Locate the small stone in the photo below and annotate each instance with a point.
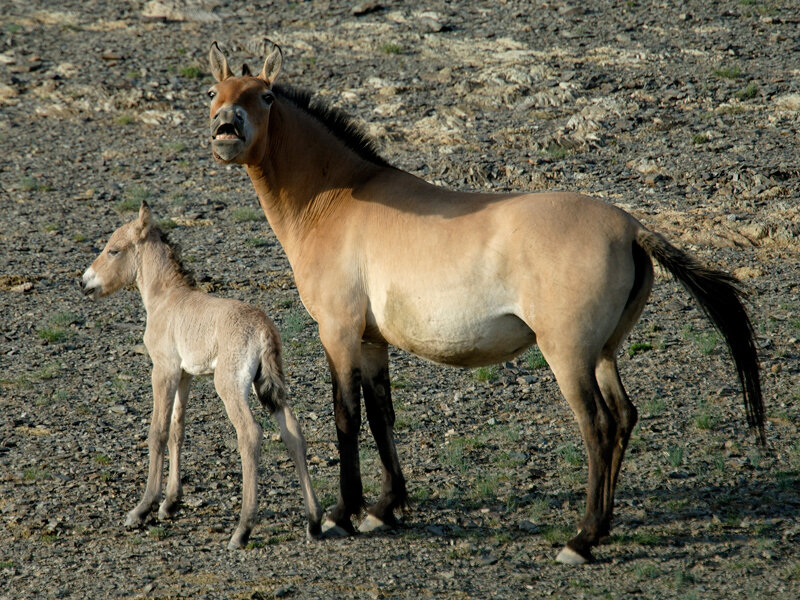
(22, 287)
(364, 8)
(529, 527)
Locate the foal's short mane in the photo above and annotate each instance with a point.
(175, 256)
(343, 126)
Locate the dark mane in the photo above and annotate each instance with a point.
(175, 255)
(340, 124)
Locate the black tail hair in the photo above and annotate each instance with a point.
(720, 297)
(269, 383)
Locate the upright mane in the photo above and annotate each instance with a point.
(343, 126)
(174, 256)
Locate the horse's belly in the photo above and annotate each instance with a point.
(462, 340)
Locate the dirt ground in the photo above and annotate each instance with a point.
(685, 114)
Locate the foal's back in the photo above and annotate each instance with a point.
(206, 332)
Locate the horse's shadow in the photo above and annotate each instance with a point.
(719, 511)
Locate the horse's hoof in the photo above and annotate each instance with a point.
(372, 523)
(332, 530)
(568, 556)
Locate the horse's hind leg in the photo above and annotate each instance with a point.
(176, 436)
(233, 386)
(165, 384)
(625, 415)
(380, 414)
(598, 428)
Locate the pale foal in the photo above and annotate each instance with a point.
(192, 333)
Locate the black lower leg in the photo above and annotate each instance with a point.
(347, 412)
(381, 417)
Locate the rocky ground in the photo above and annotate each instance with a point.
(686, 115)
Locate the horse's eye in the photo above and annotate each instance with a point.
(211, 93)
(113, 253)
(268, 97)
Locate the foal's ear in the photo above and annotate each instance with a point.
(145, 218)
(272, 66)
(218, 62)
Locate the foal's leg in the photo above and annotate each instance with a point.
(165, 384)
(380, 414)
(626, 416)
(234, 391)
(176, 435)
(343, 351)
(295, 442)
(598, 428)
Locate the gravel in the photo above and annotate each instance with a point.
(685, 115)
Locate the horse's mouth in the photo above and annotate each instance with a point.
(227, 132)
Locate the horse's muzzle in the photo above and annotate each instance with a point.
(228, 137)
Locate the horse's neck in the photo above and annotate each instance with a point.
(158, 274)
(306, 173)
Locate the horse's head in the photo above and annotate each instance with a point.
(117, 264)
(240, 108)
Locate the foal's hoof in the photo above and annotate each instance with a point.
(372, 523)
(313, 531)
(568, 556)
(133, 521)
(332, 530)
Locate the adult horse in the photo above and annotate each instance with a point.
(381, 257)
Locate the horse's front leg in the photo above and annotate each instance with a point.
(380, 415)
(342, 348)
(165, 383)
(177, 428)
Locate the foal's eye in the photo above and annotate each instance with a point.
(211, 93)
(113, 253)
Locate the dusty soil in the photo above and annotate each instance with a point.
(686, 116)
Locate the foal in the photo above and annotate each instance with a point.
(191, 333)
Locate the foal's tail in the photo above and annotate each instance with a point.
(720, 296)
(269, 383)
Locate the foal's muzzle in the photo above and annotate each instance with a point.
(89, 284)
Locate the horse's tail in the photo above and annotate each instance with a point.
(269, 383)
(720, 297)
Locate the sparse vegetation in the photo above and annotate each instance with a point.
(747, 92)
(639, 348)
(157, 533)
(675, 456)
(728, 72)
(243, 215)
(391, 48)
(534, 358)
(191, 72)
(486, 374)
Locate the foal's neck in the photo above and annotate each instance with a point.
(159, 272)
(305, 175)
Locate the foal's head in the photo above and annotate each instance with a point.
(117, 264)
(240, 108)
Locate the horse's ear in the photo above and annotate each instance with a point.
(272, 66)
(218, 62)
